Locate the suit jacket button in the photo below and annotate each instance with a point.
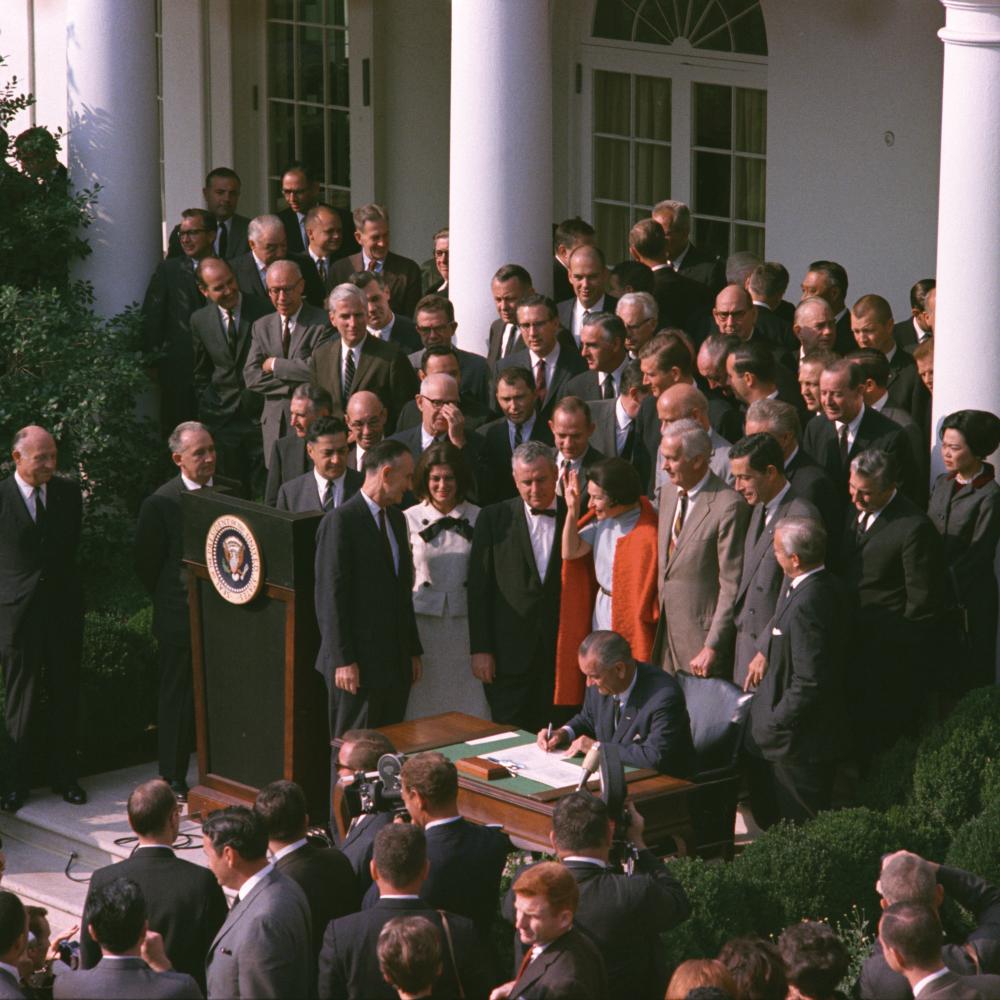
(427, 583)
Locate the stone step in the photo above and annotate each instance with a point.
(38, 877)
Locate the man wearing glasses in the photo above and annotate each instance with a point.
(281, 345)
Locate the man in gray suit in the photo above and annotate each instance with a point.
(281, 345)
(758, 476)
(330, 482)
(700, 555)
(264, 949)
(133, 962)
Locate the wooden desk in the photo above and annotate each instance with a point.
(527, 819)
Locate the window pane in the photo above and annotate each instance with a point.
(284, 9)
(712, 236)
(611, 169)
(652, 108)
(751, 121)
(311, 138)
(339, 198)
(282, 129)
(652, 26)
(339, 158)
(336, 12)
(311, 65)
(611, 103)
(749, 238)
(712, 31)
(311, 11)
(280, 61)
(713, 116)
(612, 225)
(652, 173)
(337, 53)
(749, 189)
(711, 183)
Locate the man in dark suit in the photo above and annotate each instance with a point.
(632, 704)
(892, 560)
(559, 961)
(753, 374)
(588, 274)
(371, 224)
(685, 258)
(382, 321)
(185, 905)
(158, 564)
(623, 914)
(133, 963)
(758, 476)
(510, 284)
(569, 234)
(602, 344)
(439, 286)
(281, 346)
(370, 651)
(264, 948)
(40, 517)
(172, 296)
(615, 422)
(325, 236)
(443, 359)
(366, 419)
(330, 482)
(552, 365)
(13, 942)
(798, 715)
(348, 961)
(571, 428)
(640, 314)
(828, 280)
(300, 189)
(355, 360)
(514, 584)
(268, 243)
(920, 324)
(289, 458)
(515, 394)
(221, 334)
(323, 873)
(222, 195)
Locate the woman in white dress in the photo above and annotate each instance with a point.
(440, 529)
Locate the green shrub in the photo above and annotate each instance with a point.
(976, 846)
(890, 780)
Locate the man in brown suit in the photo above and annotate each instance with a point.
(703, 525)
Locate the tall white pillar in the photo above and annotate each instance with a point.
(114, 141)
(501, 154)
(966, 353)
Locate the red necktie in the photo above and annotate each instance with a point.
(540, 386)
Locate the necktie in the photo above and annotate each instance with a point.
(384, 528)
(223, 239)
(682, 504)
(321, 267)
(286, 336)
(509, 336)
(328, 495)
(373, 265)
(40, 511)
(564, 478)
(761, 516)
(525, 962)
(618, 714)
(843, 445)
(348, 373)
(609, 386)
(540, 386)
(230, 327)
(460, 525)
(518, 436)
(629, 444)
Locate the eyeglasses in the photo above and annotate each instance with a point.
(438, 403)
(359, 424)
(283, 289)
(540, 325)
(735, 314)
(426, 331)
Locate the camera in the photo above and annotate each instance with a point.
(613, 792)
(378, 791)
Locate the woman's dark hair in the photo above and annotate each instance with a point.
(980, 428)
(618, 479)
(442, 453)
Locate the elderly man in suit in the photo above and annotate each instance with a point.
(355, 360)
(798, 716)
(588, 274)
(685, 401)
(685, 258)
(759, 477)
(369, 649)
(382, 321)
(510, 284)
(289, 458)
(133, 963)
(40, 518)
(268, 243)
(633, 704)
(444, 359)
(325, 235)
(571, 428)
(221, 334)
(826, 279)
(371, 224)
(700, 554)
(185, 905)
(281, 345)
(514, 586)
(264, 949)
(222, 196)
(330, 482)
(640, 314)
(602, 344)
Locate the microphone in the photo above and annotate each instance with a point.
(591, 762)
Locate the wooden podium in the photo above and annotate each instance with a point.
(260, 706)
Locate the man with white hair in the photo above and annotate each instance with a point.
(814, 326)
(268, 243)
(703, 524)
(281, 345)
(640, 314)
(684, 257)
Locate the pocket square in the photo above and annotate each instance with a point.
(776, 631)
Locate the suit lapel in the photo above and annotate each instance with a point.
(537, 968)
(234, 918)
(334, 382)
(523, 538)
(365, 363)
(298, 337)
(702, 508)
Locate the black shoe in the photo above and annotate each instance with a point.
(13, 801)
(71, 793)
(180, 789)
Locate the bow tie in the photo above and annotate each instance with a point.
(459, 525)
(539, 512)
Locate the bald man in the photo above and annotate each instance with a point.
(40, 520)
(588, 274)
(366, 417)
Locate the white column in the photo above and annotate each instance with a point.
(500, 208)
(114, 141)
(966, 358)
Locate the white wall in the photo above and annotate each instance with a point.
(841, 75)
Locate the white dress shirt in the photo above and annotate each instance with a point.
(288, 848)
(338, 487)
(772, 505)
(542, 530)
(802, 577)
(28, 495)
(235, 312)
(852, 428)
(918, 987)
(866, 519)
(386, 332)
(189, 484)
(510, 332)
(345, 350)
(623, 424)
(550, 367)
(526, 428)
(248, 885)
(578, 313)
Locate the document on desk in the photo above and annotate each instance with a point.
(532, 762)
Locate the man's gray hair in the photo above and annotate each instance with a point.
(261, 224)
(682, 214)
(531, 451)
(607, 647)
(645, 302)
(693, 437)
(804, 537)
(876, 465)
(279, 264)
(739, 266)
(812, 300)
(778, 416)
(346, 291)
(176, 440)
(908, 878)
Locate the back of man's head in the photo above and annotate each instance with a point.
(13, 921)
(815, 958)
(580, 823)
(400, 854)
(913, 932)
(907, 878)
(409, 953)
(433, 777)
(239, 828)
(756, 967)
(363, 749)
(150, 807)
(282, 807)
(117, 914)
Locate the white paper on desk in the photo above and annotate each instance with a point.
(493, 738)
(532, 762)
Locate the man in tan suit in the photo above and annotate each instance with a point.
(703, 524)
